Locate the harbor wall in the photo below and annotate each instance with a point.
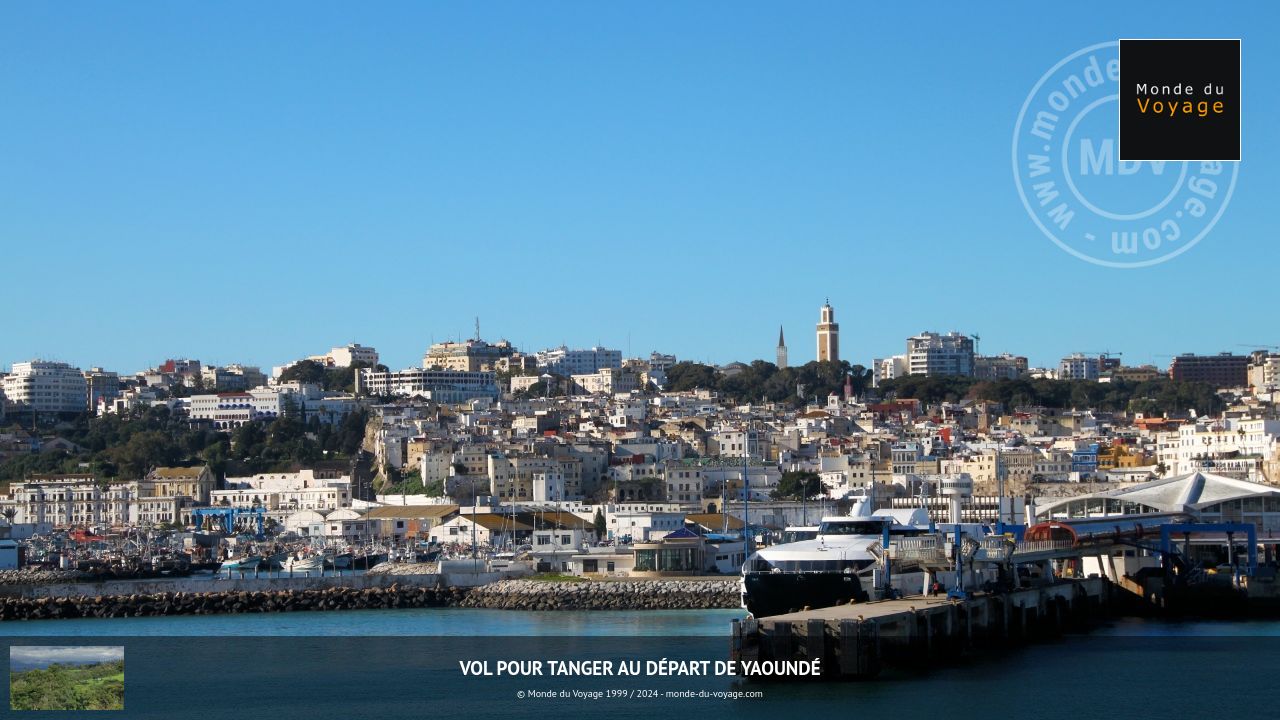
(186, 596)
(262, 583)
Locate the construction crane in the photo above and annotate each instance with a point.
(1100, 353)
(1259, 346)
(977, 340)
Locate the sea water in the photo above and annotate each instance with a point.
(405, 663)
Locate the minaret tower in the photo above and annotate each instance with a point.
(782, 350)
(828, 335)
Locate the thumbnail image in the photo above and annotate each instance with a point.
(66, 677)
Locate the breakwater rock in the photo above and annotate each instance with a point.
(691, 594)
(211, 603)
(390, 568)
(36, 576)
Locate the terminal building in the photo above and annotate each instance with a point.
(1205, 497)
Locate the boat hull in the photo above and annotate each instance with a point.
(775, 593)
(246, 565)
(296, 565)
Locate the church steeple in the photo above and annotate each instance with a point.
(782, 350)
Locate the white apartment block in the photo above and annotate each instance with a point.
(302, 490)
(932, 354)
(444, 386)
(889, 368)
(230, 410)
(1078, 367)
(73, 500)
(45, 386)
(564, 361)
(1264, 372)
(1234, 446)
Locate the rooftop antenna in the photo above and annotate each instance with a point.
(477, 327)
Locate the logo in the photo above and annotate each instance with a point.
(1107, 211)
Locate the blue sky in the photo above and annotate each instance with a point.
(241, 182)
(26, 657)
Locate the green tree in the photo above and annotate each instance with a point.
(799, 485)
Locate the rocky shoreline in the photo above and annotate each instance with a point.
(526, 595)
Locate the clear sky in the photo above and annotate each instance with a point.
(254, 182)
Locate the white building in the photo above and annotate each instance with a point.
(468, 356)
(1227, 446)
(889, 368)
(348, 355)
(45, 386)
(81, 500)
(444, 386)
(230, 410)
(302, 490)
(232, 377)
(638, 524)
(1208, 497)
(1264, 372)
(932, 354)
(101, 386)
(605, 381)
(564, 361)
(1077, 366)
(548, 486)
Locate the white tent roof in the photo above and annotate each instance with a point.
(1177, 494)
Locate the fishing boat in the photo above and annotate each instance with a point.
(366, 560)
(302, 563)
(340, 561)
(246, 564)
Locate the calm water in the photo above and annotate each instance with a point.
(405, 663)
(428, 622)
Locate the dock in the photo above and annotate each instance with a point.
(859, 640)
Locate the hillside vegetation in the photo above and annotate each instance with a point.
(99, 686)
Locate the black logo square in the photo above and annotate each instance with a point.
(1179, 100)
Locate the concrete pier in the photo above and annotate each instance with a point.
(860, 640)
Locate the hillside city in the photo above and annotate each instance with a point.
(569, 449)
